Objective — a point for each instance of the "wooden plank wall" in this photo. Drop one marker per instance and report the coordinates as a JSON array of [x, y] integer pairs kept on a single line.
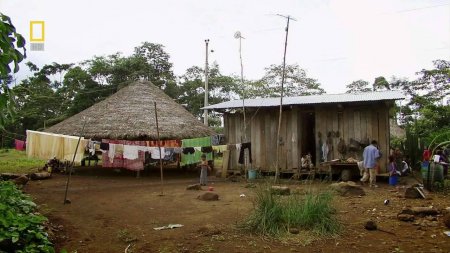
[[362, 123], [359, 122]]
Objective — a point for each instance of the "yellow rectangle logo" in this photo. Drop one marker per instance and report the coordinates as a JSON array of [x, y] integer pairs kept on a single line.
[[37, 31]]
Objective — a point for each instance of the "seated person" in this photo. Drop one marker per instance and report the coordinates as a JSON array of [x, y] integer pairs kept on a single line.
[[306, 162], [392, 167]]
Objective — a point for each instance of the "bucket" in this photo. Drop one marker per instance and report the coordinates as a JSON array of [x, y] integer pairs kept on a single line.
[[393, 180], [251, 174]]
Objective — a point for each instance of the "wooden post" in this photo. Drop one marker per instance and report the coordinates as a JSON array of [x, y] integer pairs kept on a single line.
[[160, 155], [71, 165]]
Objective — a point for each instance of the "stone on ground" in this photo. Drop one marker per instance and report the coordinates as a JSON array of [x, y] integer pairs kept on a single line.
[[405, 217], [348, 189], [208, 196], [370, 225], [195, 187], [208, 230], [412, 193], [447, 220], [22, 180]]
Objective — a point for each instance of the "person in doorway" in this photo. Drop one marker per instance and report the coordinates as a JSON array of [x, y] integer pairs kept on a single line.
[[370, 157], [204, 168]]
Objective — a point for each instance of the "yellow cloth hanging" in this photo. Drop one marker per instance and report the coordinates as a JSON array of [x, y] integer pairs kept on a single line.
[[219, 148], [47, 145]]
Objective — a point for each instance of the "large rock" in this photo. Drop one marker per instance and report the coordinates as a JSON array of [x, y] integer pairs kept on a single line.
[[208, 196], [280, 190], [194, 187], [40, 175], [22, 180], [413, 193], [447, 220], [348, 189], [370, 225]]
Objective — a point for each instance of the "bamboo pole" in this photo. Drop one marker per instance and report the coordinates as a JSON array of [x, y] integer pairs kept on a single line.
[[71, 165], [160, 155]]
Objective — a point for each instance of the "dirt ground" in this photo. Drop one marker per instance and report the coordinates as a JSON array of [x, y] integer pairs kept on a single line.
[[110, 211]]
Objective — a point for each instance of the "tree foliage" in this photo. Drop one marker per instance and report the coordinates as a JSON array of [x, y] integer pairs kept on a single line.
[[296, 82], [358, 86], [12, 51]]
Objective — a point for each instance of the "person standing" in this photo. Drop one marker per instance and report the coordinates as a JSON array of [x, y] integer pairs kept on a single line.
[[204, 168], [370, 156]]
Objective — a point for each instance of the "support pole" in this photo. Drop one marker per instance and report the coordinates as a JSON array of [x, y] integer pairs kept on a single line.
[[71, 165], [205, 116], [160, 155], [277, 165]]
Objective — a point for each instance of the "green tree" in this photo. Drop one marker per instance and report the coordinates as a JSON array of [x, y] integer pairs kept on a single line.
[[358, 86], [158, 68], [381, 83], [296, 82], [192, 89], [11, 43]]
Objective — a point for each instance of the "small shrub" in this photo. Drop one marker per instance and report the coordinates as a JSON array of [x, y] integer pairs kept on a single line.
[[274, 215], [21, 229]]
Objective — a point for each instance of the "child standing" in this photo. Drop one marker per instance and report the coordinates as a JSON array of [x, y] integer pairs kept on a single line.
[[204, 166]]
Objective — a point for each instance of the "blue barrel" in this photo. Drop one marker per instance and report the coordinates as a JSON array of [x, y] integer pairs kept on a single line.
[[251, 174], [393, 180]]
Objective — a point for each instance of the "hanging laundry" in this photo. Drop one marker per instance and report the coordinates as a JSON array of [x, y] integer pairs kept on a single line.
[[244, 146], [130, 152], [215, 140], [156, 154], [189, 150], [220, 148], [325, 151], [207, 149], [20, 145], [193, 158], [111, 152], [104, 146], [169, 154], [199, 149], [177, 150], [47, 145]]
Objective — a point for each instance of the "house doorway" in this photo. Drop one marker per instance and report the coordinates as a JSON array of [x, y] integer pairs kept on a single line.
[[307, 140]]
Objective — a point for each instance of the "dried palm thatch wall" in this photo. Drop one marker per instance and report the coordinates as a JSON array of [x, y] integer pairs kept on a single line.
[[129, 114]]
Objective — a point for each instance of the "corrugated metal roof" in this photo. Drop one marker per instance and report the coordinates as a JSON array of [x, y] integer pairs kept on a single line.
[[314, 99]]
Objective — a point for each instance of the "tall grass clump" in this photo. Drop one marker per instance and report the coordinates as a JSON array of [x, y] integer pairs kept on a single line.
[[274, 215]]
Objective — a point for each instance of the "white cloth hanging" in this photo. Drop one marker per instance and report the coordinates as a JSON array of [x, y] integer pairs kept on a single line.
[[130, 152], [325, 151], [111, 152]]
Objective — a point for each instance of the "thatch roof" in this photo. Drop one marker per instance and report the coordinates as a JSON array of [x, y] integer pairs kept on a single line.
[[129, 114]]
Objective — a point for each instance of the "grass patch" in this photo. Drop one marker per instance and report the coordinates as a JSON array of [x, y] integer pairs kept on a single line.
[[274, 215], [15, 161]]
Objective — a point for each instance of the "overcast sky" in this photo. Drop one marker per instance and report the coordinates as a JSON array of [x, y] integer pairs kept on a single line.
[[335, 41]]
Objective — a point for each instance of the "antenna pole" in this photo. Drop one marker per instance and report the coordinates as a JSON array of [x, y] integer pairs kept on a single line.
[[239, 36], [205, 116], [277, 166]]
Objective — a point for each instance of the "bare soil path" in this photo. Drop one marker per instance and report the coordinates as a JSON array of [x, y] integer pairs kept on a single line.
[[110, 211]]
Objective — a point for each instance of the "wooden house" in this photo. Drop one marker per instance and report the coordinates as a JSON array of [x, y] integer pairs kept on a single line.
[[308, 122]]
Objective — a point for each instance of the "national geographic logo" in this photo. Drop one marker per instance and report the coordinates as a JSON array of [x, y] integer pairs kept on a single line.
[[37, 35]]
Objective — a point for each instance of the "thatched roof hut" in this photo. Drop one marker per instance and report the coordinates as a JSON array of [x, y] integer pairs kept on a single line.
[[129, 114]]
